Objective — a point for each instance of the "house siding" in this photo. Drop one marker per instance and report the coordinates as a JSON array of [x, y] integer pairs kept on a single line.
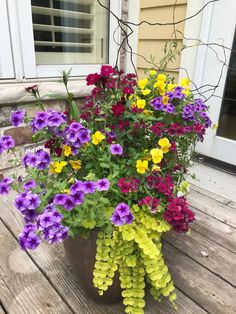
[[152, 39]]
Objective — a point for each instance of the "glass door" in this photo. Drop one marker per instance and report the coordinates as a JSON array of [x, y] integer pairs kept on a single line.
[[219, 144]]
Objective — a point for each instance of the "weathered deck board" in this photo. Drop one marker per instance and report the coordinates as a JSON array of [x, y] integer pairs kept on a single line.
[[212, 195], [215, 230], [203, 287], [219, 260], [52, 261], [212, 208], [1, 309], [28, 291]]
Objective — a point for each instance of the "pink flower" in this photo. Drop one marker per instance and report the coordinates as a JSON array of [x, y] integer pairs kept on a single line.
[[92, 78], [118, 109], [106, 70]]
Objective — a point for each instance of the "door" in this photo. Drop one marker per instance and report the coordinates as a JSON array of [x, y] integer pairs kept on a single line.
[[219, 26]]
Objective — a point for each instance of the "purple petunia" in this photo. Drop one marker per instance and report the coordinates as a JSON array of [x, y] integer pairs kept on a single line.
[[64, 200], [76, 187], [17, 117], [103, 185], [89, 187], [6, 142], [116, 149], [122, 214], [78, 198], [40, 159], [28, 238], [157, 103], [5, 185], [31, 184]]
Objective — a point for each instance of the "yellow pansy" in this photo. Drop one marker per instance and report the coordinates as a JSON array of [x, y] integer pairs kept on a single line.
[[97, 137], [186, 91], [157, 155], [145, 91], [159, 84], [142, 166], [185, 82], [141, 103], [75, 164], [142, 83], [66, 191], [165, 144], [57, 166], [67, 150], [171, 86], [72, 180], [156, 168], [148, 112], [165, 100], [152, 72], [161, 77]]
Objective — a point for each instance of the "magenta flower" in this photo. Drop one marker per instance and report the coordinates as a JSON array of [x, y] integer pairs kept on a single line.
[[103, 185], [116, 149]]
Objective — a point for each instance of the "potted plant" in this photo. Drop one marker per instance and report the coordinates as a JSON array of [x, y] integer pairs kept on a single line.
[[111, 176]]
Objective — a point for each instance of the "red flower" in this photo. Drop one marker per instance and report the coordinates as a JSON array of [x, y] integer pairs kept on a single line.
[[118, 109], [128, 90], [128, 184], [92, 78], [106, 70]]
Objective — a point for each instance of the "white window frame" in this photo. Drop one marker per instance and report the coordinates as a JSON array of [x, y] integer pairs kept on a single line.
[[32, 70], [6, 60]]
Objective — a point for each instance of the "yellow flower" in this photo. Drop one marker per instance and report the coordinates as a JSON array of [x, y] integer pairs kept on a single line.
[[145, 91], [185, 82], [97, 137], [67, 150], [66, 191], [156, 168], [72, 180], [75, 164], [186, 91], [165, 100], [165, 144], [161, 77], [159, 84], [57, 166], [141, 103], [171, 86], [152, 72], [142, 83], [157, 155], [142, 166], [148, 112]]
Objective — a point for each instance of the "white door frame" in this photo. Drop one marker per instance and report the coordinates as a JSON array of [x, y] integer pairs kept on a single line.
[[217, 22]]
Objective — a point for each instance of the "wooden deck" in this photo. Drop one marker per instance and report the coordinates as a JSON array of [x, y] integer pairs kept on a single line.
[[202, 264]]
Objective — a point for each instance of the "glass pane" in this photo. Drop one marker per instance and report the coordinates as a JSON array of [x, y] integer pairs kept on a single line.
[[227, 122], [70, 31]]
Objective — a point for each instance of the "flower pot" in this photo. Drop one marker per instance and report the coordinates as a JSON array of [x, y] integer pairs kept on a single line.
[[81, 254]]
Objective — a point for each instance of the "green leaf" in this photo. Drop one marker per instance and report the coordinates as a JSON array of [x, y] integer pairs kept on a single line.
[[75, 110]]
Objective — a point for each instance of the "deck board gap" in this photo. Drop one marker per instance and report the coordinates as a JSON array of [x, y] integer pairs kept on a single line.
[[39, 268], [214, 273]]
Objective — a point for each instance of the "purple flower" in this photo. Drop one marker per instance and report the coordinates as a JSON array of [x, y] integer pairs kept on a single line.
[[4, 188], [157, 103], [33, 201], [78, 198], [122, 214], [31, 184], [44, 159], [28, 239], [122, 209], [55, 119], [60, 199], [169, 108], [89, 187], [116, 149], [7, 142], [84, 136], [75, 126], [69, 204], [76, 187], [45, 220], [17, 117], [30, 160], [103, 185], [20, 202], [116, 219], [40, 121]]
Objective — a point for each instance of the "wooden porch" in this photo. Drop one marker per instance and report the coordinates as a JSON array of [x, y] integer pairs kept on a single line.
[[202, 264]]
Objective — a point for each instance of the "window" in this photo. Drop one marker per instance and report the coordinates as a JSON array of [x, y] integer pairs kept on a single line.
[[6, 60], [62, 34]]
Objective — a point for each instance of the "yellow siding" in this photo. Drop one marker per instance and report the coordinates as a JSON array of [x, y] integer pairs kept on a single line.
[[153, 38]]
